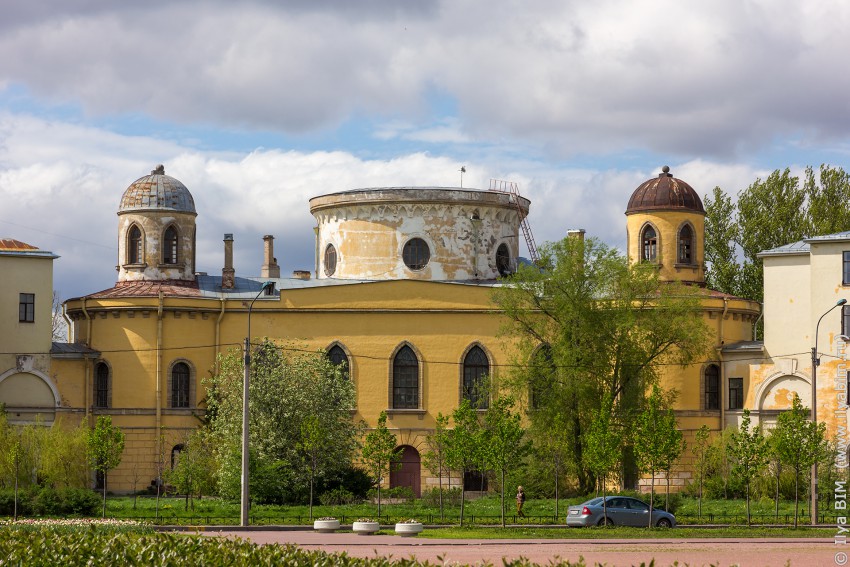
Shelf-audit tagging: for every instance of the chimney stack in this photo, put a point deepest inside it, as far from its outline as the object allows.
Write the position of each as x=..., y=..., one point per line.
x=270, y=268
x=228, y=274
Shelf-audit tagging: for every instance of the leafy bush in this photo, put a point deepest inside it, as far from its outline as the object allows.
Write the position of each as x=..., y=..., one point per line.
x=397, y=492
x=451, y=497
x=45, y=501
x=80, y=501
x=337, y=497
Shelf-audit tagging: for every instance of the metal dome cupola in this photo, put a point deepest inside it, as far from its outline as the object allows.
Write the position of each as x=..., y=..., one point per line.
x=157, y=192
x=664, y=192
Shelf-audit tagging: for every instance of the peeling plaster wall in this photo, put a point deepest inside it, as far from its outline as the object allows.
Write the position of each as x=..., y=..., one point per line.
x=463, y=230
x=153, y=225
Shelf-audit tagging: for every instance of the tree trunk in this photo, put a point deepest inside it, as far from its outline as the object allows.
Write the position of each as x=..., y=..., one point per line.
x=748, y=502
x=776, y=497
x=312, y=474
x=557, y=471
x=651, y=497
x=16, y=485
x=104, y=494
x=796, y=494
x=462, y=499
x=699, y=502
x=667, y=495
x=440, y=482
x=503, y=498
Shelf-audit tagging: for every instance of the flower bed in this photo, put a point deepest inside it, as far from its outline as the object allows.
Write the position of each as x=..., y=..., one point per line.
x=365, y=526
x=326, y=525
x=408, y=528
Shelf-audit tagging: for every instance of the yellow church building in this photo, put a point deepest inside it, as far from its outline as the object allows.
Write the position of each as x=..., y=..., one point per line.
x=400, y=292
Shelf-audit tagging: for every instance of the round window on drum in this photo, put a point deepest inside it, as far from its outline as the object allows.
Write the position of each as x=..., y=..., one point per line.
x=330, y=260
x=416, y=254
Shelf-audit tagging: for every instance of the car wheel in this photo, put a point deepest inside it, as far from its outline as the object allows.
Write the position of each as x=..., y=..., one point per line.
x=664, y=523
x=604, y=522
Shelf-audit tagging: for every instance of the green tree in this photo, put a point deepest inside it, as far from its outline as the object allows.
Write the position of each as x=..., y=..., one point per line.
x=300, y=421
x=193, y=473
x=799, y=443
x=748, y=448
x=105, y=448
x=463, y=445
x=702, y=455
x=380, y=454
x=721, y=234
x=602, y=441
x=591, y=323
x=435, y=456
x=657, y=440
x=505, y=446
x=828, y=196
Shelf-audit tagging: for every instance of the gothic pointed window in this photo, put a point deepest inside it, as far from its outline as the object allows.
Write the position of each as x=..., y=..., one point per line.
x=686, y=245
x=330, y=260
x=338, y=358
x=169, y=246
x=712, y=387
x=134, y=246
x=476, y=367
x=405, y=386
x=649, y=244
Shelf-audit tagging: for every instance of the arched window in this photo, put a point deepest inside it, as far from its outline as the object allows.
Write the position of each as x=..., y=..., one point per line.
x=405, y=379
x=330, y=260
x=175, y=454
x=712, y=387
x=416, y=254
x=503, y=260
x=686, y=242
x=134, y=246
x=101, y=386
x=476, y=367
x=649, y=244
x=180, y=385
x=169, y=246
x=338, y=357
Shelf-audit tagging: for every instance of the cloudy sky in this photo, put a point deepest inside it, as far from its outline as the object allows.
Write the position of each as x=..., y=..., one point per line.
x=259, y=105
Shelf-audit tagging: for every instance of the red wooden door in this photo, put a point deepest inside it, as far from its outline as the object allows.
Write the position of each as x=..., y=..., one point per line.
x=408, y=474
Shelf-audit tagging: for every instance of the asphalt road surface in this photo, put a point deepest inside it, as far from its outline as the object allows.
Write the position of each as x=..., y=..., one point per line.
x=720, y=552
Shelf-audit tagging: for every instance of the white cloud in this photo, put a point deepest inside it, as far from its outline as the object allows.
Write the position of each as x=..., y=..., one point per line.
x=687, y=79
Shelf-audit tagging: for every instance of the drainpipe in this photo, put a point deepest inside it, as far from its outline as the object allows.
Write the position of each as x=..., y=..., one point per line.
x=88, y=392
x=317, y=252
x=159, y=376
x=723, y=384
x=218, y=332
x=756, y=324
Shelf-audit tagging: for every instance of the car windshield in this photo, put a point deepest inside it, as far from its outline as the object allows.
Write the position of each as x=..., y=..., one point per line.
x=593, y=502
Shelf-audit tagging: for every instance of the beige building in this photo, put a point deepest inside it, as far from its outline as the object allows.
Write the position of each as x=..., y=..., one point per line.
x=27, y=389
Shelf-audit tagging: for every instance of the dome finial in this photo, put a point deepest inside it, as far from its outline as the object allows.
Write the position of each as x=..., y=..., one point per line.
x=159, y=170
x=665, y=171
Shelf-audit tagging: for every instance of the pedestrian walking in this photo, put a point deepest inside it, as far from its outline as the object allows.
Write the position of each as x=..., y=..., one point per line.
x=520, y=500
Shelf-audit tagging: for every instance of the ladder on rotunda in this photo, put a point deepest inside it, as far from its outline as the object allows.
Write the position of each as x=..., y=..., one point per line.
x=512, y=190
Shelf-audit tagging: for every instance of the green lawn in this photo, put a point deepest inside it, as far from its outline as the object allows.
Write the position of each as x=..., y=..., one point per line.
x=481, y=511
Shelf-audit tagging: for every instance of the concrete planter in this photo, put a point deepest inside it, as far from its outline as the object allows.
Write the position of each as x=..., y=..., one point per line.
x=408, y=529
x=365, y=528
x=326, y=526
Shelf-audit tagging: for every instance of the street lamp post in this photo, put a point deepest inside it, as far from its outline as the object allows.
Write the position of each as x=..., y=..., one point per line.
x=815, y=364
x=244, y=511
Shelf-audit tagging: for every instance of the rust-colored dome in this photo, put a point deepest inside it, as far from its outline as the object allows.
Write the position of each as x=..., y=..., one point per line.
x=664, y=193
x=157, y=191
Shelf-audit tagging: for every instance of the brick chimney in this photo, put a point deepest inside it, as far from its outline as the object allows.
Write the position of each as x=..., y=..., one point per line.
x=270, y=269
x=228, y=274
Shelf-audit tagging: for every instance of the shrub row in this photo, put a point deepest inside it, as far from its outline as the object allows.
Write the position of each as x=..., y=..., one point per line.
x=97, y=547
x=45, y=501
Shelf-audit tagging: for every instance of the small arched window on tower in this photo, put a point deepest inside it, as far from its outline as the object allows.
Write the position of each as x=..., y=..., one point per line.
x=134, y=246
x=169, y=248
x=503, y=260
x=686, y=245
x=649, y=244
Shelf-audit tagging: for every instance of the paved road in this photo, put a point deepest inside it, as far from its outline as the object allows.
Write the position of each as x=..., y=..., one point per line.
x=614, y=552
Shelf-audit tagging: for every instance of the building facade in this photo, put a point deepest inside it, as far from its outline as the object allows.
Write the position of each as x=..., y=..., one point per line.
x=400, y=291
